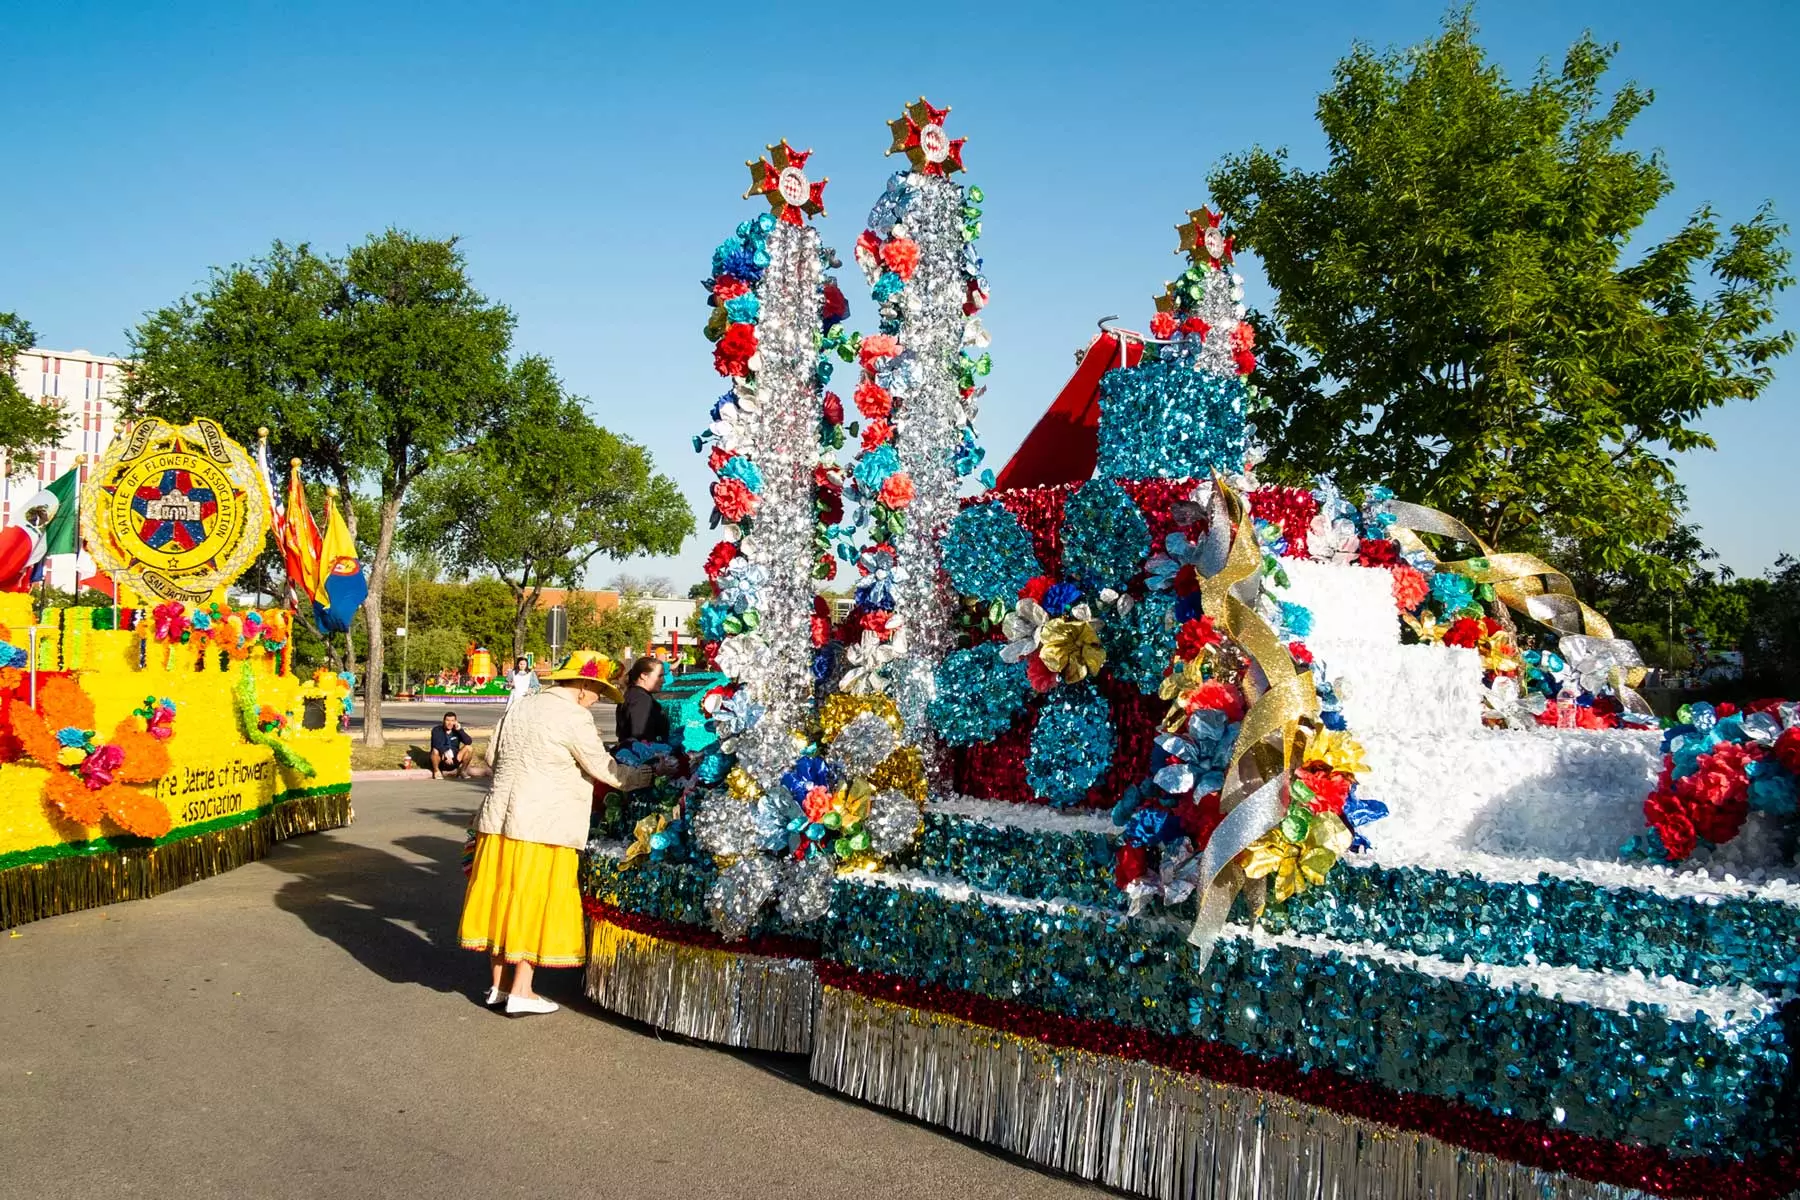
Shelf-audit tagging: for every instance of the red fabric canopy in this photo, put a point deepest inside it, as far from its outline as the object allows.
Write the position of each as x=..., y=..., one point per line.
x=1064, y=446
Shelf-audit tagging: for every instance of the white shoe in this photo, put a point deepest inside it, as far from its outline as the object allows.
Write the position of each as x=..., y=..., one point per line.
x=494, y=996
x=526, y=1005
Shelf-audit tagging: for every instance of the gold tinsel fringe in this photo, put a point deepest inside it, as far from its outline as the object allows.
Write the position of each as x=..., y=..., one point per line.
x=1145, y=1129
x=36, y=890
x=747, y=1000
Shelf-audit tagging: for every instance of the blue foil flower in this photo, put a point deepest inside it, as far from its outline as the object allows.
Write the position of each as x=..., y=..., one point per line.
x=1452, y=592
x=978, y=695
x=1060, y=598
x=740, y=467
x=806, y=773
x=987, y=553
x=1105, y=538
x=1071, y=745
x=872, y=469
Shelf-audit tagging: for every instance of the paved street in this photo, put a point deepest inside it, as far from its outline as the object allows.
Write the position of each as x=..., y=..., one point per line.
x=304, y=1026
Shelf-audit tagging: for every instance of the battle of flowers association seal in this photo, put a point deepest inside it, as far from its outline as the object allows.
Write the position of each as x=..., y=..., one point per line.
x=174, y=512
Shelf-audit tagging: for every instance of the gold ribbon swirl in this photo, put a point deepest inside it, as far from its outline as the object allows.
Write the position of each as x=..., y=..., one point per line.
x=1524, y=583
x=1268, y=739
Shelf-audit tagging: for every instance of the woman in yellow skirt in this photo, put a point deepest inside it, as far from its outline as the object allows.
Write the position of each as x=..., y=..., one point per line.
x=523, y=905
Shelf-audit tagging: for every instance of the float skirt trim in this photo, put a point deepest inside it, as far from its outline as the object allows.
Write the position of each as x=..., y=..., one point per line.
x=75, y=881
x=1143, y=1128
x=725, y=996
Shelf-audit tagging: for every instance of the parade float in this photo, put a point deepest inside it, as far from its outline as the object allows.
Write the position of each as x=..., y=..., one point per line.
x=478, y=679
x=167, y=737
x=1193, y=835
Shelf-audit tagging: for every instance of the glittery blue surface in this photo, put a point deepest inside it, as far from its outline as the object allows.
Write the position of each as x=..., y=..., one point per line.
x=1634, y=1076
x=1071, y=744
x=987, y=554
x=978, y=695
x=1140, y=644
x=1164, y=418
x=1105, y=539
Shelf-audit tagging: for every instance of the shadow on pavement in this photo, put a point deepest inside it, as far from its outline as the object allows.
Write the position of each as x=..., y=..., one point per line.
x=394, y=915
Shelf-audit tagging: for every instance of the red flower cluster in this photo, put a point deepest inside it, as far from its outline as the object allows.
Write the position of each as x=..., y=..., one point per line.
x=719, y=558
x=1243, y=339
x=1710, y=803
x=873, y=400
x=1162, y=326
x=1196, y=325
x=1329, y=788
x=727, y=288
x=1410, y=586
x=1217, y=694
x=876, y=433
x=1787, y=750
x=901, y=256
x=834, y=409
x=876, y=347
x=1195, y=636
x=732, y=355
x=876, y=621
x=1567, y=714
x=897, y=490
x=1469, y=631
x=821, y=622
x=1036, y=588
x=836, y=308
x=1293, y=509
x=1377, y=552
x=828, y=495
x=733, y=500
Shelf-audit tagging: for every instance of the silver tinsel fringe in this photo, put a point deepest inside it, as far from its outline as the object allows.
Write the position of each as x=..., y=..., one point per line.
x=733, y=999
x=1145, y=1129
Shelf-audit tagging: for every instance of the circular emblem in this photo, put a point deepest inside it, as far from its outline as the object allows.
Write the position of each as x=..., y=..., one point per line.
x=793, y=186
x=175, y=513
x=1215, y=241
x=933, y=144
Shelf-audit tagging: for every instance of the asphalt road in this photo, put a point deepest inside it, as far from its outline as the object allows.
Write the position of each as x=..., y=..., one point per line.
x=305, y=1026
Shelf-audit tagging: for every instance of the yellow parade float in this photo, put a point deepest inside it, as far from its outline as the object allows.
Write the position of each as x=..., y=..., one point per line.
x=167, y=737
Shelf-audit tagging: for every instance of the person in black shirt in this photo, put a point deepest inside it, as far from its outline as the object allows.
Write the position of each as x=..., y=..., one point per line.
x=640, y=717
x=447, y=742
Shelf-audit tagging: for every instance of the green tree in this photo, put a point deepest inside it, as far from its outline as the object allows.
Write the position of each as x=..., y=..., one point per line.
x=609, y=630
x=1453, y=315
x=26, y=425
x=543, y=496
x=371, y=368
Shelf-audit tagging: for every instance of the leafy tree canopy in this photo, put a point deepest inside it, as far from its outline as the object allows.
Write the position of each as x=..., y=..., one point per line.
x=371, y=368
x=1454, y=315
x=26, y=425
x=543, y=496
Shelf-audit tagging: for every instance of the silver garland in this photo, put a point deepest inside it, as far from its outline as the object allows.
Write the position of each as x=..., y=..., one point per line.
x=1221, y=307
x=748, y=1000
x=782, y=437
x=929, y=417
x=737, y=896
x=862, y=745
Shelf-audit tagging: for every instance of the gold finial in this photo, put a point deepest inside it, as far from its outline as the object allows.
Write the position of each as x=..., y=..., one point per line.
x=294, y=462
x=262, y=433
x=331, y=491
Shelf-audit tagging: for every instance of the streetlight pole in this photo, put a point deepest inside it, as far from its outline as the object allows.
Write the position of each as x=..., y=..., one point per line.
x=406, y=641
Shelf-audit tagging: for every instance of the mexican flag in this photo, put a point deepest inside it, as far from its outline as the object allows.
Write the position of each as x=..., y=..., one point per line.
x=62, y=535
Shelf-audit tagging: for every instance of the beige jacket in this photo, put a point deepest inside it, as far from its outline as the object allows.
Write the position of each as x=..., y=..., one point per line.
x=543, y=755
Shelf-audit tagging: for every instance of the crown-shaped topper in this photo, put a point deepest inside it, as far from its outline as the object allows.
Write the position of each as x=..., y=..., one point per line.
x=782, y=178
x=919, y=134
x=1203, y=241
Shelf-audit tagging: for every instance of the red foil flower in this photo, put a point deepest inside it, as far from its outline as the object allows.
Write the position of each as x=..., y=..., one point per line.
x=833, y=409
x=1377, y=552
x=897, y=490
x=876, y=433
x=821, y=622
x=1036, y=588
x=732, y=355
x=876, y=347
x=719, y=558
x=836, y=308
x=1410, y=586
x=1042, y=678
x=733, y=500
x=1195, y=636
x=725, y=287
x=1329, y=788
x=901, y=256
x=1131, y=865
x=1162, y=326
x=1216, y=694
x=1196, y=325
x=873, y=400
x=1787, y=750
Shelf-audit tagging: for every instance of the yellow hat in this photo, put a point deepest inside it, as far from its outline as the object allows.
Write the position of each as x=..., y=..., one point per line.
x=589, y=667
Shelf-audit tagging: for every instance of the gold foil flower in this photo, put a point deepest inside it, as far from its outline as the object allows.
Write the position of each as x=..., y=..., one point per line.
x=1337, y=750
x=1071, y=647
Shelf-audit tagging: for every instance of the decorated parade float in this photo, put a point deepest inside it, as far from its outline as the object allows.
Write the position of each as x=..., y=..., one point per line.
x=167, y=737
x=1193, y=835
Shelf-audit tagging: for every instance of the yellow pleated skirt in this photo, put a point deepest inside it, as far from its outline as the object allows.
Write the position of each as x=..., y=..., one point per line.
x=523, y=903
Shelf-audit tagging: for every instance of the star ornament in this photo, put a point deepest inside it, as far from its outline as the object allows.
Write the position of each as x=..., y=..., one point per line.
x=1203, y=241
x=919, y=134
x=782, y=178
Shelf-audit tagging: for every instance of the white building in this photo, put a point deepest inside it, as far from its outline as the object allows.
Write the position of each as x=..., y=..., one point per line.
x=87, y=387
x=669, y=620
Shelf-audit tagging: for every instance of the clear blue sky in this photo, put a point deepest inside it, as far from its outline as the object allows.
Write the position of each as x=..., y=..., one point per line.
x=590, y=156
